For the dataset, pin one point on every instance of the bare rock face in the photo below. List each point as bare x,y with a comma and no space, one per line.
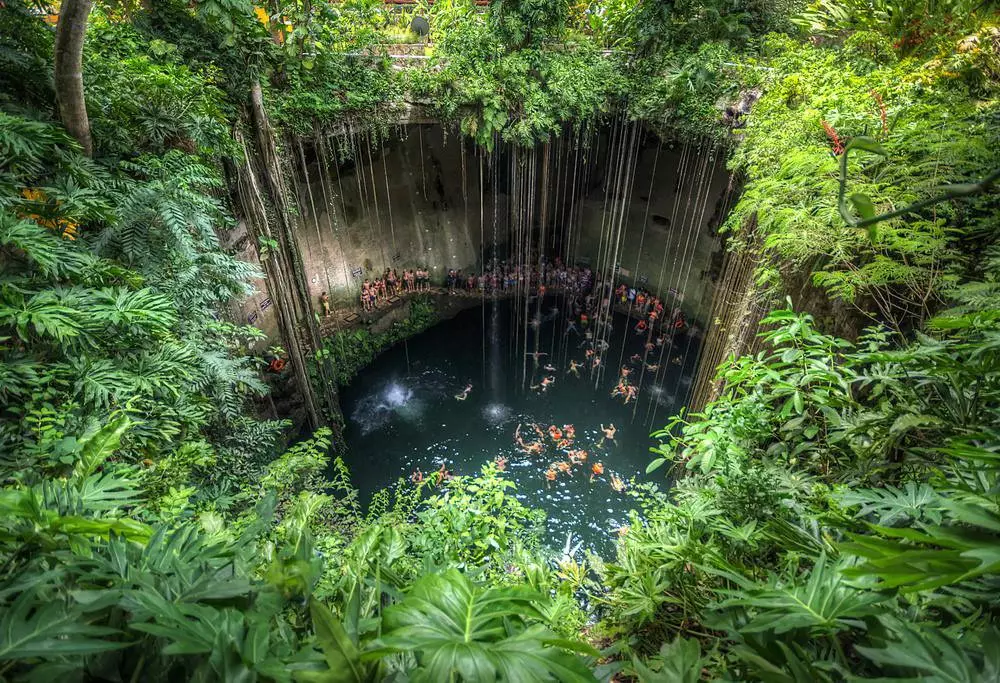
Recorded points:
734,116
421,27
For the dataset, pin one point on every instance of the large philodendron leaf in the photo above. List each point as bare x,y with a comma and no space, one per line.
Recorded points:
454,627
826,603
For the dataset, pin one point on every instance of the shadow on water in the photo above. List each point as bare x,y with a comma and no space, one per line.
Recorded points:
398,421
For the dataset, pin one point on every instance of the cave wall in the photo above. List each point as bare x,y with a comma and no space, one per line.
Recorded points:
677,200
426,196
411,200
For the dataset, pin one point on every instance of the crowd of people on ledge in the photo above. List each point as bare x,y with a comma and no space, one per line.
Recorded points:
502,277
590,293
380,289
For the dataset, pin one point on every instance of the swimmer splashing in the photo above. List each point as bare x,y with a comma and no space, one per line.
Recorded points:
464,394
544,385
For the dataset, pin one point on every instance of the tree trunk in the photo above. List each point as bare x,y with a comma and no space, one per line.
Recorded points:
70,34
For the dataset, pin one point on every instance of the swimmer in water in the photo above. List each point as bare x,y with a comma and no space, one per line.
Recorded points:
464,393
555,433
549,367
442,475
529,447
569,431
574,368
544,385
652,367
550,476
625,371
616,483
597,362
564,467
635,359
596,470
501,463
631,393
609,434
417,476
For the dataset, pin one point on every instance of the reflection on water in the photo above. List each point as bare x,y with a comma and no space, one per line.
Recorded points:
398,422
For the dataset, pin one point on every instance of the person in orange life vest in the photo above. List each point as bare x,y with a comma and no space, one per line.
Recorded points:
597,469
640,327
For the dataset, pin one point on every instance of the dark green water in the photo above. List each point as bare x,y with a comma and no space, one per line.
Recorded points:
402,413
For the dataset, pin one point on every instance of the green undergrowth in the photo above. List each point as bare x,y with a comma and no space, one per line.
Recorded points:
352,350
833,513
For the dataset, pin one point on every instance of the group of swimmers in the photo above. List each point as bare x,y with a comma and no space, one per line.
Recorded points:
373,292
435,478
501,276
562,440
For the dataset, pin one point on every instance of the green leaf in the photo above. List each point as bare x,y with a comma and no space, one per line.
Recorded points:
342,655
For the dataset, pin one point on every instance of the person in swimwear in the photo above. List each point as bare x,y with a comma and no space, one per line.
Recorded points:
616,483
549,367
569,431
464,393
550,476
574,368
529,447
652,367
625,371
597,362
635,359
609,434
555,433
631,393
501,462
417,476
544,385
564,467
442,475
596,470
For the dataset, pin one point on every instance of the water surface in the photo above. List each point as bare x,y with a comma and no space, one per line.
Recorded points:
402,411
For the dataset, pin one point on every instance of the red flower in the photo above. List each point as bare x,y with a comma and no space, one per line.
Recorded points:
838,145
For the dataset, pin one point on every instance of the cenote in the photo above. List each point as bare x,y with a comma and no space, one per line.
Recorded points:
402,413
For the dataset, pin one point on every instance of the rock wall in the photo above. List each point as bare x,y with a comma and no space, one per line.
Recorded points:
426,196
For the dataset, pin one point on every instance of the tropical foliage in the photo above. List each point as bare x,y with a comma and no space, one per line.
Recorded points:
833,514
